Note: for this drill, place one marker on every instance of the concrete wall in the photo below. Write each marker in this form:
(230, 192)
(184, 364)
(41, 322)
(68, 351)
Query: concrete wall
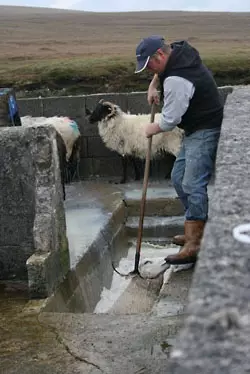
(96, 158)
(215, 336)
(17, 201)
(33, 243)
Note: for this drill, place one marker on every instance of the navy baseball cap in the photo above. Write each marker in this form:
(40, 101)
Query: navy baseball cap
(145, 49)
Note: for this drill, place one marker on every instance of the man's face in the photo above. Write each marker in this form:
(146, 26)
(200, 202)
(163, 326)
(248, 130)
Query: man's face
(157, 62)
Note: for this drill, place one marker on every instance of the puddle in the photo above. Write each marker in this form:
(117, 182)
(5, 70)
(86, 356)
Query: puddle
(13, 296)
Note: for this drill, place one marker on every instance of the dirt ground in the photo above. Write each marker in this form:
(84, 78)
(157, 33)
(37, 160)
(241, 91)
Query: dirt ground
(46, 33)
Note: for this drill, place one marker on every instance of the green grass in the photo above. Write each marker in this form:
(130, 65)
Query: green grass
(79, 75)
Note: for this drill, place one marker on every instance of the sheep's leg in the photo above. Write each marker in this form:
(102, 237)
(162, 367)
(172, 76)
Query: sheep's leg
(124, 160)
(137, 170)
(170, 163)
(75, 160)
(62, 161)
(73, 163)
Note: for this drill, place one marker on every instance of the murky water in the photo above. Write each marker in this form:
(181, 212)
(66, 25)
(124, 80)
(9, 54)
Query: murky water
(13, 296)
(16, 330)
(83, 224)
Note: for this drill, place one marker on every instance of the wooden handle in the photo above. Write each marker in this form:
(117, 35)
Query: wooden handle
(144, 194)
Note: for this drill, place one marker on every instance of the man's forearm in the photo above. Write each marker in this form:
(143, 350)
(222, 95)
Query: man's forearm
(153, 129)
(154, 82)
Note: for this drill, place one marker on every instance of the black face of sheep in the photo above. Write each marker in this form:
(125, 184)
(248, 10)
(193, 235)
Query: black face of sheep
(103, 110)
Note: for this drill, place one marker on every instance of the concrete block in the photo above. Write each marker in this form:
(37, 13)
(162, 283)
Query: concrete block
(137, 103)
(162, 166)
(97, 148)
(36, 266)
(119, 99)
(32, 216)
(44, 274)
(88, 129)
(107, 166)
(69, 106)
(83, 146)
(86, 167)
(17, 198)
(13, 260)
(30, 107)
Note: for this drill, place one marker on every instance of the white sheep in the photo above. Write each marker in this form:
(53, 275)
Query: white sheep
(68, 142)
(124, 133)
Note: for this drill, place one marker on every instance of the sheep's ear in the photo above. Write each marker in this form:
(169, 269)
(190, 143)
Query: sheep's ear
(88, 112)
(111, 112)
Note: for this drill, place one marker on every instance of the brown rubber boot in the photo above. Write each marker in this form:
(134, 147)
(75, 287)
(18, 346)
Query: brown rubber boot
(179, 240)
(188, 254)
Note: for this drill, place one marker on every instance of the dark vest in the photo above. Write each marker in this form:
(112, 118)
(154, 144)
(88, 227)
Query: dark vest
(205, 110)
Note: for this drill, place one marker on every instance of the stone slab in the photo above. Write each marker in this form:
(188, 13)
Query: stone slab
(124, 344)
(215, 336)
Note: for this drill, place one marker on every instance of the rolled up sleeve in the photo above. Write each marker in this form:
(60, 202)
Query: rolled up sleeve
(177, 94)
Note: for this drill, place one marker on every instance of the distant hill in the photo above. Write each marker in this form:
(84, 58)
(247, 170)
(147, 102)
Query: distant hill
(44, 32)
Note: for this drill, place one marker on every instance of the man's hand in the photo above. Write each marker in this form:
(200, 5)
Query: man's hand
(152, 129)
(153, 96)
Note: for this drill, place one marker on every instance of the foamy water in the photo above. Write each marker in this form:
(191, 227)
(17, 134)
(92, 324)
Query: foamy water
(119, 284)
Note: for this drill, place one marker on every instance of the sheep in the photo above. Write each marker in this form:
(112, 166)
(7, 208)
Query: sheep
(123, 132)
(68, 143)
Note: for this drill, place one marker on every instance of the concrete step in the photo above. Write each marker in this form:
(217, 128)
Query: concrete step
(167, 206)
(156, 227)
(173, 297)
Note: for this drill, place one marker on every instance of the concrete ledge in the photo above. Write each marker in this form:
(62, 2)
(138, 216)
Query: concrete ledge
(156, 227)
(215, 336)
(156, 207)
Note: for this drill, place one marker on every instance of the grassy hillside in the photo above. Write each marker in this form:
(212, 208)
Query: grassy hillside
(85, 52)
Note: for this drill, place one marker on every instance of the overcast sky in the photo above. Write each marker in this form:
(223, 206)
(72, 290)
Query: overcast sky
(137, 5)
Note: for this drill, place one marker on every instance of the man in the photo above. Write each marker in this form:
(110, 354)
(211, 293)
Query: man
(191, 101)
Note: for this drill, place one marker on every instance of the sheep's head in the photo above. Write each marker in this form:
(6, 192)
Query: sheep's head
(104, 110)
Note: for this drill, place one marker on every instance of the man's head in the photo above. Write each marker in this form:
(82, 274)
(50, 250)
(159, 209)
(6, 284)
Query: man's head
(152, 53)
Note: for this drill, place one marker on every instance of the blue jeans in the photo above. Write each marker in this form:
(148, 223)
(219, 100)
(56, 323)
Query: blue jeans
(192, 171)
